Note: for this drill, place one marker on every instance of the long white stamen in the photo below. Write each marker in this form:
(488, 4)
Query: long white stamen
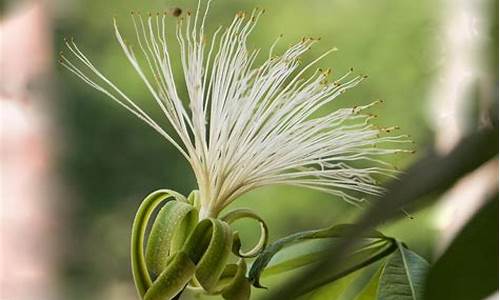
(245, 126)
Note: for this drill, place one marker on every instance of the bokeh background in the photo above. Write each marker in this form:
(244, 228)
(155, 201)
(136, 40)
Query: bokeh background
(75, 166)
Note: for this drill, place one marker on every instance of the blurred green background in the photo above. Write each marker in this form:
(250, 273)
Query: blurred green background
(110, 160)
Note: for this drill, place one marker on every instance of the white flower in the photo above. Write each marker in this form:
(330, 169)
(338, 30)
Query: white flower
(249, 125)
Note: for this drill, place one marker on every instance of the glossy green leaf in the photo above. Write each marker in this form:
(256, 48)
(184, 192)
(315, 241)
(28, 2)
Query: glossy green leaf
(403, 277)
(468, 270)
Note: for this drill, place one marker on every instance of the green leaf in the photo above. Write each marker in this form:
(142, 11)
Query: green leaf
(307, 257)
(369, 292)
(335, 290)
(468, 269)
(403, 276)
(292, 258)
(359, 285)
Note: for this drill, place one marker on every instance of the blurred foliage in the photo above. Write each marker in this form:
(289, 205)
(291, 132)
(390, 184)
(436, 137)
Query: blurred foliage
(477, 276)
(110, 160)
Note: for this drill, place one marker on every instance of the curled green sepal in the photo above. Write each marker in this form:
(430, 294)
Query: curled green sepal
(177, 273)
(172, 225)
(239, 287)
(209, 247)
(194, 199)
(264, 232)
(140, 272)
(233, 283)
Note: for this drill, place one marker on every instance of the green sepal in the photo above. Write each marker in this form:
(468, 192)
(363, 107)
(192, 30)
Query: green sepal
(209, 247)
(169, 231)
(264, 232)
(239, 287)
(194, 199)
(140, 272)
(184, 230)
(173, 279)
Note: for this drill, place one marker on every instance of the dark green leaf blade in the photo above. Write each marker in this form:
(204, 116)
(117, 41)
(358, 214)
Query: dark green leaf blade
(468, 269)
(403, 276)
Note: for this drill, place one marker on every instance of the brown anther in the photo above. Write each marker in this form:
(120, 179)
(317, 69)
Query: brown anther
(365, 76)
(351, 69)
